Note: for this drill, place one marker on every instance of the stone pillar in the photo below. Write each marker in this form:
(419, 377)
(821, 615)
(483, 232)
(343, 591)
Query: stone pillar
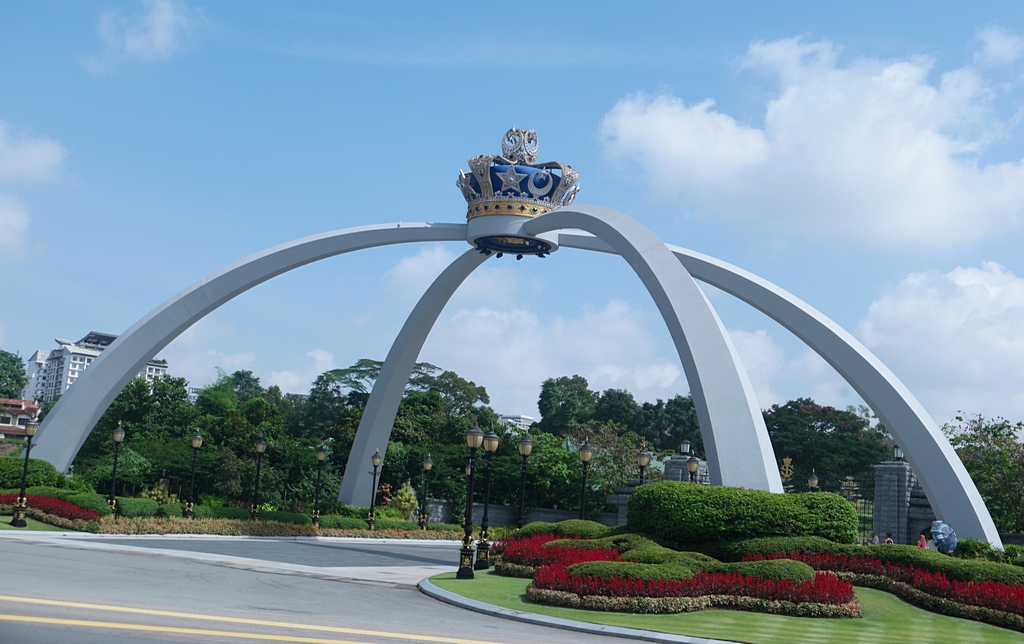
(893, 485)
(675, 468)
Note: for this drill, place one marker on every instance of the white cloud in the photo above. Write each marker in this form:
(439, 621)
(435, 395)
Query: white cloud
(493, 283)
(955, 339)
(300, 379)
(156, 34)
(13, 227)
(999, 46)
(761, 358)
(27, 158)
(192, 354)
(872, 150)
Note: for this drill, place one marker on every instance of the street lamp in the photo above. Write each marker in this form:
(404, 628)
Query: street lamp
(118, 435)
(321, 454)
(812, 481)
(586, 453)
(21, 507)
(371, 518)
(643, 459)
(425, 511)
(685, 447)
(692, 465)
(474, 439)
(525, 447)
(491, 441)
(197, 442)
(897, 453)
(254, 509)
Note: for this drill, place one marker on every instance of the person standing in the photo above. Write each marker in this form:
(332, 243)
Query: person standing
(921, 541)
(874, 538)
(888, 538)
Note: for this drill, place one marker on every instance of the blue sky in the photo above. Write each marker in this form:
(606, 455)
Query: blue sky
(868, 159)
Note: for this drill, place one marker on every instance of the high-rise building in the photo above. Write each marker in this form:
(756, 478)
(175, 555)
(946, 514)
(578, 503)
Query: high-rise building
(69, 360)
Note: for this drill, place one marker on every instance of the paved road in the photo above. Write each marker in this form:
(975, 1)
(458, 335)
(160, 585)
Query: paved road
(75, 589)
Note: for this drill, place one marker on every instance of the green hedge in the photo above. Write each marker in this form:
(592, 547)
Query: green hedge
(684, 513)
(96, 502)
(581, 528)
(129, 507)
(287, 517)
(921, 558)
(342, 523)
(212, 512)
(39, 472)
(170, 510)
(631, 570)
(391, 524)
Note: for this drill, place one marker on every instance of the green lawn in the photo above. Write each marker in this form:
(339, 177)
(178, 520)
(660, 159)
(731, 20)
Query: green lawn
(5, 524)
(887, 620)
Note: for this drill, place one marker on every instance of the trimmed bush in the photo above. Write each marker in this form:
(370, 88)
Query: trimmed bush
(207, 512)
(535, 528)
(49, 490)
(391, 524)
(581, 528)
(39, 472)
(332, 522)
(95, 502)
(129, 507)
(631, 570)
(794, 571)
(445, 527)
(287, 517)
(170, 510)
(677, 514)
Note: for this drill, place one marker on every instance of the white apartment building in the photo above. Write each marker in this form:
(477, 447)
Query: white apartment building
(34, 368)
(70, 359)
(520, 421)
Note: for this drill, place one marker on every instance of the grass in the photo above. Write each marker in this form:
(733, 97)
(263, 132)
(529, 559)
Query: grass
(5, 524)
(887, 619)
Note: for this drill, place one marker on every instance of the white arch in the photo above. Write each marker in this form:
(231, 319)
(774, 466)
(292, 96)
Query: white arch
(66, 427)
(735, 437)
(951, 492)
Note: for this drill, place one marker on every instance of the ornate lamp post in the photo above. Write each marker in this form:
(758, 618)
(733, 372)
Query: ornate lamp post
(425, 505)
(371, 518)
(20, 508)
(897, 453)
(692, 465)
(197, 442)
(685, 447)
(525, 447)
(812, 481)
(586, 453)
(643, 459)
(118, 435)
(474, 439)
(254, 509)
(321, 454)
(491, 441)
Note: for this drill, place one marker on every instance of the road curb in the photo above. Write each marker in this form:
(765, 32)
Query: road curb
(454, 599)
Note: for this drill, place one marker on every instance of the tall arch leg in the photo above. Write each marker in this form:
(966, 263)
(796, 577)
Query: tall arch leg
(949, 487)
(739, 451)
(68, 424)
(382, 407)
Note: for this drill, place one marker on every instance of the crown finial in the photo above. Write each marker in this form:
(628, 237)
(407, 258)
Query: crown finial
(520, 146)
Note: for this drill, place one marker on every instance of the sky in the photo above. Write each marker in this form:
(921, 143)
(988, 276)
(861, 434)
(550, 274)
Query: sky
(869, 159)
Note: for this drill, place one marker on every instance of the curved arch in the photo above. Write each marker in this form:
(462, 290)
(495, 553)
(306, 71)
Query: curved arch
(949, 487)
(736, 441)
(66, 427)
(379, 415)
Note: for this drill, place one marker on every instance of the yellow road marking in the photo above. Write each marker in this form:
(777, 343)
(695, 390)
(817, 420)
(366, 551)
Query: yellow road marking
(236, 620)
(171, 629)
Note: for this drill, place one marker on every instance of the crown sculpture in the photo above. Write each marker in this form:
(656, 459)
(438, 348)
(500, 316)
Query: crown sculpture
(513, 184)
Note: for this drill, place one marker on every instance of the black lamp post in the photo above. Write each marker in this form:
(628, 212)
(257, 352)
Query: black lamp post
(643, 459)
(474, 439)
(483, 546)
(897, 453)
(692, 465)
(525, 447)
(321, 454)
(425, 505)
(371, 518)
(586, 453)
(21, 507)
(254, 509)
(812, 481)
(197, 442)
(685, 447)
(118, 435)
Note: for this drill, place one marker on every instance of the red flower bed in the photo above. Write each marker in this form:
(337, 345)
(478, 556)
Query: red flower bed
(988, 594)
(825, 588)
(53, 506)
(530, 551)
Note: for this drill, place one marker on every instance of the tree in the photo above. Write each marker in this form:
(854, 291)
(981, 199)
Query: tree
(361, 376)
(12, 375)
(565, 402)
(458, 394)
(835, 444)
(667, 424)
(619, 406)
(991, 451)
(246, 386)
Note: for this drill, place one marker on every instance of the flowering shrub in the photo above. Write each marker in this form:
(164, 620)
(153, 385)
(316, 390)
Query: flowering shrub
(826, 588)
(56, 507)
(531, 551)
(986, 594)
